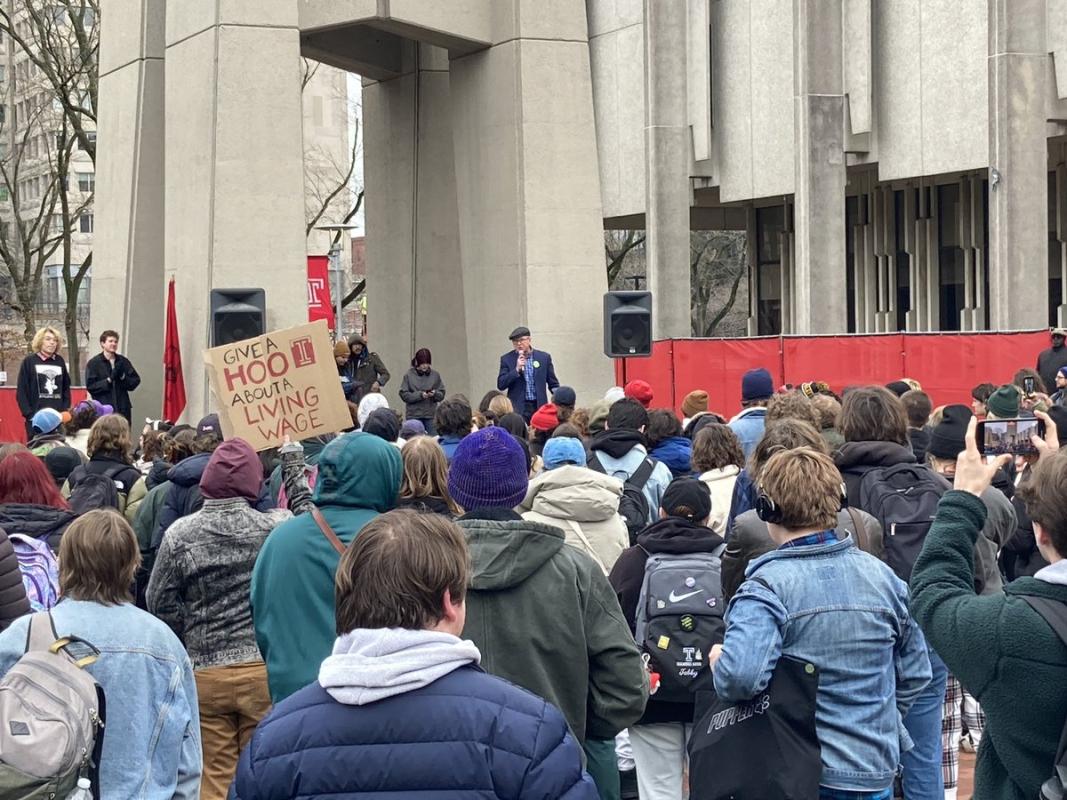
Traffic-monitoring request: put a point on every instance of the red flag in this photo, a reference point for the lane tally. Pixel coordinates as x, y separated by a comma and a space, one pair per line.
173, 379
319, 301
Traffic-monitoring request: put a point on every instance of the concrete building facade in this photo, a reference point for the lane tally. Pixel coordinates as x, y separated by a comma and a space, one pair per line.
896, 166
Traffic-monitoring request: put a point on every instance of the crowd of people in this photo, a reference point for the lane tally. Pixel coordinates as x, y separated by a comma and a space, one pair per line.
541, 595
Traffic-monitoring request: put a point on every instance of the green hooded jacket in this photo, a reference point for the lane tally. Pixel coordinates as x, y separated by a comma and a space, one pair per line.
1001, 649
544, 617
293, 580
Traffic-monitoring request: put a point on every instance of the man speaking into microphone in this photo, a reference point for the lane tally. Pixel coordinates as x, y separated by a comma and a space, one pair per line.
526, 375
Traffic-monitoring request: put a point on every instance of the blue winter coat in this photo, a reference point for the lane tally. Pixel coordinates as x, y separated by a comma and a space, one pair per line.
466, 735
677, 453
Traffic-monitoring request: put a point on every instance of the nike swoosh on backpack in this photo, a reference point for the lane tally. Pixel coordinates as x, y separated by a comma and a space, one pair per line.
677, 598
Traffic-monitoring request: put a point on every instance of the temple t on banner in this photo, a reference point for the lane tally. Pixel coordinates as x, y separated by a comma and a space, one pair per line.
283, 383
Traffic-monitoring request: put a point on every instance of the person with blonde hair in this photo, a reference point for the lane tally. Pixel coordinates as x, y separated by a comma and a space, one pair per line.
424, 486
152, 740
500, 405
853, 623
43, 380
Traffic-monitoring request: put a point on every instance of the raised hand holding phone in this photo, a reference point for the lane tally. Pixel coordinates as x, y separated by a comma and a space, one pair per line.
973, 474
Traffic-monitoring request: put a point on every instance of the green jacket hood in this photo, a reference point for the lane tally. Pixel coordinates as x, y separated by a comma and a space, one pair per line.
359, 470
504, 554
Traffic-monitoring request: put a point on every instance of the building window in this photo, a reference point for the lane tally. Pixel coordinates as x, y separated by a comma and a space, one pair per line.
770, 222
852, 219
902, 261
85, 223
1055, 257
950, 255
86, 181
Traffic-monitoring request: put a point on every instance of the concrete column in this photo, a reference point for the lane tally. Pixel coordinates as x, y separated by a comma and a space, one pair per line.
127, 271
819, 114
1061, 237
415, 277
667, 159
1018, 197
528, 192
234, 189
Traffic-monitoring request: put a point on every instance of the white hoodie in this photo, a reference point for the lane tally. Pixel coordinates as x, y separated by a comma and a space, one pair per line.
368, 665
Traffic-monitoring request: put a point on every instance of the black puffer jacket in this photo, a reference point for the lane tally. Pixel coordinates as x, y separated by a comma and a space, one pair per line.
40, 522
13, 602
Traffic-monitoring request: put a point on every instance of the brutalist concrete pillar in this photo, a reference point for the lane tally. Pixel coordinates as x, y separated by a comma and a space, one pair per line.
528, 192
1018, 158
820, 300
667, 159
127, 267
414, 272
234, 193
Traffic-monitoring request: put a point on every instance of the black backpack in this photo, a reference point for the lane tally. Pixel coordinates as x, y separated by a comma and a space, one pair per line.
1055, 614
93, 490
903, 498
633, 505
679, 617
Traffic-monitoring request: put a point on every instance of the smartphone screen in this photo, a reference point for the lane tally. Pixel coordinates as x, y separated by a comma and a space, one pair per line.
1028, 385
997, 437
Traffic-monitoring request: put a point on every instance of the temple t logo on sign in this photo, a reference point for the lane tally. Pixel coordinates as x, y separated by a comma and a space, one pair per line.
283, 383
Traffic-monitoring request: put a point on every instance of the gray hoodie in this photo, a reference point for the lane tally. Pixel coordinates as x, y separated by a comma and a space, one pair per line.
368, 665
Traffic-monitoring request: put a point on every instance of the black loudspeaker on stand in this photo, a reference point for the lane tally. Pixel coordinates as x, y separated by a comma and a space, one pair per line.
628, 324
237, 314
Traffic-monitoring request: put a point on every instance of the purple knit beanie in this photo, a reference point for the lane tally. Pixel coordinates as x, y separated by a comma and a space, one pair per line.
488, 470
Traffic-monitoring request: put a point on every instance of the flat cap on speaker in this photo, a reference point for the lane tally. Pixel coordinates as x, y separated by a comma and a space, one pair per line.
519, 332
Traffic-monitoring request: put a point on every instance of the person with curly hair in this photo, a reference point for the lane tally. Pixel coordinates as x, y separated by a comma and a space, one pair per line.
718, 460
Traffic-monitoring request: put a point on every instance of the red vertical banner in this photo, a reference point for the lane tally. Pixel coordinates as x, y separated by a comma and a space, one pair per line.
173, 377
320, 305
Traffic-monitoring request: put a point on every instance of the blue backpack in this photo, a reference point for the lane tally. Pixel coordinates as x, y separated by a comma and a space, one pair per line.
40, 571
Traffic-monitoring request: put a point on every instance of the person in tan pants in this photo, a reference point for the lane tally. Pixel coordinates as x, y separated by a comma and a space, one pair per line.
200, 586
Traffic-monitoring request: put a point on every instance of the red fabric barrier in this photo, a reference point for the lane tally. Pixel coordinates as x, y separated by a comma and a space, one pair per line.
947, 365
658, 370
950, 365
12, 425
717, 365
844, 360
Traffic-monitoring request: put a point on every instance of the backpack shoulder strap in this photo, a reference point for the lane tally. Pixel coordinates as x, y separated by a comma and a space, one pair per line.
642, 474
718, 551
593, 462
1052, 611
327, 531
860, 528
41, 633
574, 526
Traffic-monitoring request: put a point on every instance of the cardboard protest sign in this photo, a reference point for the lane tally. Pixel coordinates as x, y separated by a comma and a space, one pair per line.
283, 383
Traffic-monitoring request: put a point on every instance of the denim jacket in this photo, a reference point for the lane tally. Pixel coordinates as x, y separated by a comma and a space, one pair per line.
152, 734
847, 613
749, 426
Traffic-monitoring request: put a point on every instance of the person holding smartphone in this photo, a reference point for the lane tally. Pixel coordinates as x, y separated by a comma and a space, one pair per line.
422, 389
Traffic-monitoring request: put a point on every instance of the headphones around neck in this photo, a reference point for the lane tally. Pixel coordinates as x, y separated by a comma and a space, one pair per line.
768, 511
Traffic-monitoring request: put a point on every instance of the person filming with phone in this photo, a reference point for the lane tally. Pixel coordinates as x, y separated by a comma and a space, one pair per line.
1003, 648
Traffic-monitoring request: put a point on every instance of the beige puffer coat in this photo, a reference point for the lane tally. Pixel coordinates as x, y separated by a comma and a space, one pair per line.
721, 484
583, 503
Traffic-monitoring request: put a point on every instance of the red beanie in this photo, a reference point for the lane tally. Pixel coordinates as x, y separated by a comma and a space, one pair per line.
639, 391
545, 418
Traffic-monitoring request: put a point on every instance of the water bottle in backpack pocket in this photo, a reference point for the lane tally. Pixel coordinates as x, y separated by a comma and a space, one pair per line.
40, 571
903, 498
51, 716
679, 617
